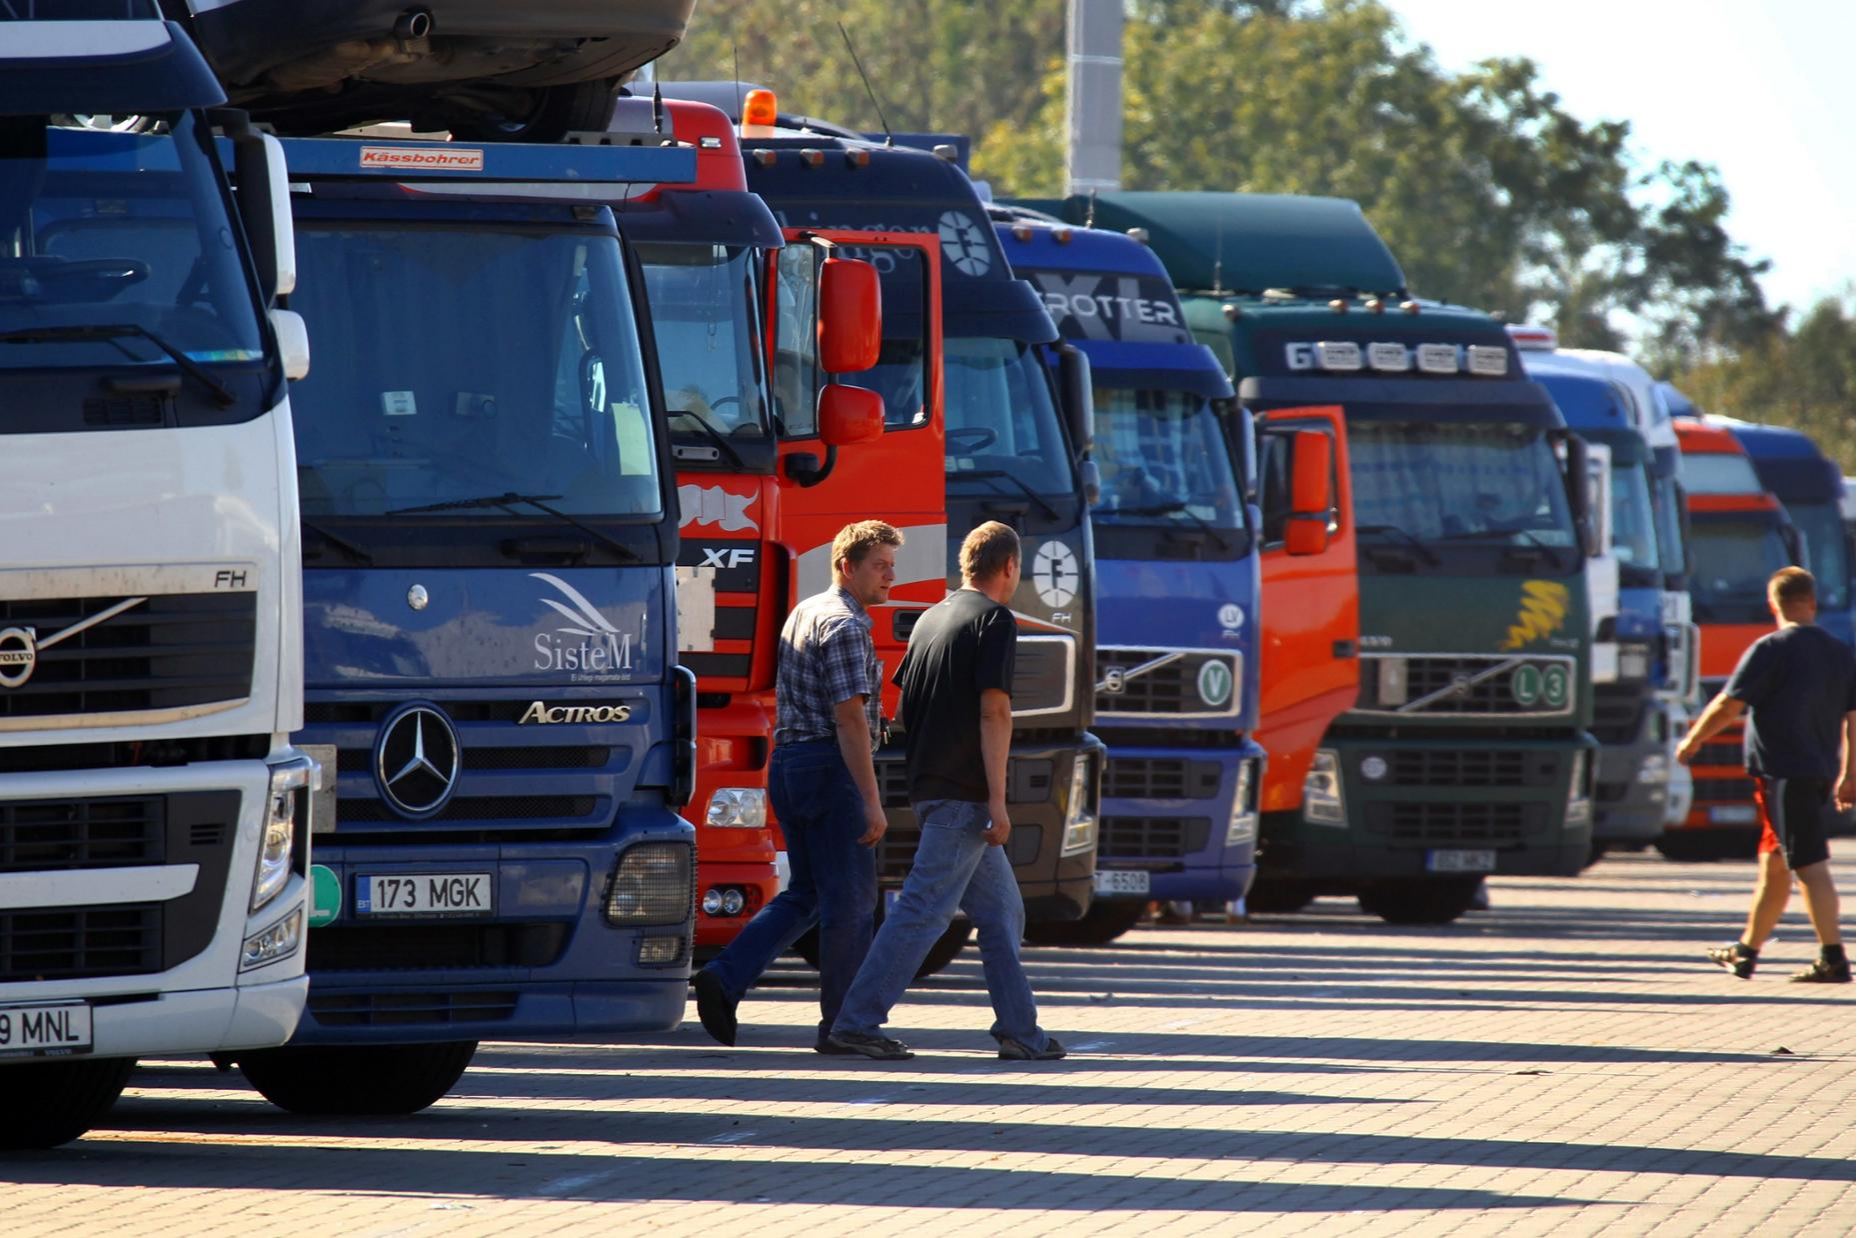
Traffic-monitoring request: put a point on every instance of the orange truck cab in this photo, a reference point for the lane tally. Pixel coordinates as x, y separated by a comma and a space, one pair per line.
1740, 536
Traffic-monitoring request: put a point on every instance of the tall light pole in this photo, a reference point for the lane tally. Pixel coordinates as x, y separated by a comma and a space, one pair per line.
1093, 96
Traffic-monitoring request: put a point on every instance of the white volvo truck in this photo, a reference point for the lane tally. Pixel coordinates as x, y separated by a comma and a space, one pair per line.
154, 824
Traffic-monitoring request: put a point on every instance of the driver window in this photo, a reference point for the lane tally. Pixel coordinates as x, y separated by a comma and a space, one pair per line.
796, 340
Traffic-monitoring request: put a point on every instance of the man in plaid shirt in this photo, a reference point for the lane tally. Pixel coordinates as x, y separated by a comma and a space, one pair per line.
823, 785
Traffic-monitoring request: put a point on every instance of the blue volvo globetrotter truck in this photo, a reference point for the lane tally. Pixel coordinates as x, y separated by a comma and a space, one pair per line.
490, 524
1176, 690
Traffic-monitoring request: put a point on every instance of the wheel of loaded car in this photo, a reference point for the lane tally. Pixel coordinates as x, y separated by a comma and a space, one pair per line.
556, 110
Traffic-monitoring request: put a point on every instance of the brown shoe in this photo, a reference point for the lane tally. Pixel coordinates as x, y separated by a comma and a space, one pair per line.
1734, 958
1824, 971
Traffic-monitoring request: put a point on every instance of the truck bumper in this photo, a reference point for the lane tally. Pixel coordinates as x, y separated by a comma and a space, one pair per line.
1630, 795
543, 962
732, 750
1435, 795
1054, 886
1169, 810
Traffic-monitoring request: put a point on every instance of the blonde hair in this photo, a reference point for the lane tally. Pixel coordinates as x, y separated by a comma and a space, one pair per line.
856, 540
987, 550
1792, 585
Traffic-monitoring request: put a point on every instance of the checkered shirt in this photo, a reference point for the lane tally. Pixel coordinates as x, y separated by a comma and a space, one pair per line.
826, 656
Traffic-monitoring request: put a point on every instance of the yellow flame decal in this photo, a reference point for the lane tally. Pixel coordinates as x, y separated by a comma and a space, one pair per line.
1543, 612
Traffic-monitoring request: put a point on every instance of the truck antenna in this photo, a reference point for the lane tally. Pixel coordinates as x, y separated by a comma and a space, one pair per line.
735, 54
1089, 213
657, 108
1218, 259
889, 139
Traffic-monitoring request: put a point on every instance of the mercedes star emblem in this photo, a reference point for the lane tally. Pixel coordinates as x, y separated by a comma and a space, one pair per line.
416, 760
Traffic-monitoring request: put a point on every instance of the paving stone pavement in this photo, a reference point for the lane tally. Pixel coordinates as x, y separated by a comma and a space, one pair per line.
1564, 1063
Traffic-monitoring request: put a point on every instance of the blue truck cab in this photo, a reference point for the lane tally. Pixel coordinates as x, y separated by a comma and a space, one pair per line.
490, 524
1811, 488
1177, 578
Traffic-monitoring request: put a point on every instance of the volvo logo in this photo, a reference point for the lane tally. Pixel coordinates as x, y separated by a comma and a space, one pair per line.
19, 654
1115, 679
416, 760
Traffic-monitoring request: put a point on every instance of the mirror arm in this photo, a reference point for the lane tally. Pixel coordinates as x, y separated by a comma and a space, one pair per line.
802, 467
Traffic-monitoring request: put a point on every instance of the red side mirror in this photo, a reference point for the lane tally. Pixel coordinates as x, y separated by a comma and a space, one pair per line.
849, 415
850, 316
1311, 496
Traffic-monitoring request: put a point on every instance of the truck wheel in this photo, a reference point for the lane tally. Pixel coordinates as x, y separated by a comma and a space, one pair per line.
49, 1103
356, 1079
1278, 895
942, 953
1424, 900
1106, 920
1595, 853
554, 111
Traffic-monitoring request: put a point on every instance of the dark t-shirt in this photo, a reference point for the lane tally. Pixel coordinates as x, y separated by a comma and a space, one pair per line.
961, 646
1798, 683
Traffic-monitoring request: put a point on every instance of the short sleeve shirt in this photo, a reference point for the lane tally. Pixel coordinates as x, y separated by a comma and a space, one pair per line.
826, 656
962, 646
1798, 683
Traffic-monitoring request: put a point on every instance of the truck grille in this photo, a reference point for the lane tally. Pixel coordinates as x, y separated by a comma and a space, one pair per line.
1466, 686
1617, 709
1043, 675
1176, 683
1161, 778
1728, 790
413, 946
53, 835
168, 652
1719, 753
1153, 838
1497, 826
1473, 767
393, 1009
72, 943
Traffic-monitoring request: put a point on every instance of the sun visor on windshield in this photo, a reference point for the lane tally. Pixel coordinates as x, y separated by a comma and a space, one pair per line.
1126, 367
1411, 399
701, 217
999, 309
101, 68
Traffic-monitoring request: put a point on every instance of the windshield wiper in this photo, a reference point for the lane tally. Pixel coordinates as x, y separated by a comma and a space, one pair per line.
1483, 535
355, 552
1176, 509
1002, 475
508, 501
712, 434
1424, 551
112, 332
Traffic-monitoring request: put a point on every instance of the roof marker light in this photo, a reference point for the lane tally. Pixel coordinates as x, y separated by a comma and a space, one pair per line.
765, 158
1139, 235
812, 157
1021, 232
947, 152
858, 158
1061, 236
1232, 311
759, 107
1338, 305
1411, 307
1375, 305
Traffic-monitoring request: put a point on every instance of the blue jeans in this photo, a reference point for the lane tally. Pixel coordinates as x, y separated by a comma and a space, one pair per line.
833, 877
955, 867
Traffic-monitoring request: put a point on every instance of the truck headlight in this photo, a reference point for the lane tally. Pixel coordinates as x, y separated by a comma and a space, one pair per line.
285, 799
1243, 826
1321, 790
1654, 771
1634, 661
1080, 817
737, 808
1579, 803
277, 942
651, 885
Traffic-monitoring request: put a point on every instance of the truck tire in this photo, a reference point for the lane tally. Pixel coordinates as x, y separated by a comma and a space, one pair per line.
53, 1102
952, 941
1420, 900
1278, 895
1106, 920
356, 1079
556, 110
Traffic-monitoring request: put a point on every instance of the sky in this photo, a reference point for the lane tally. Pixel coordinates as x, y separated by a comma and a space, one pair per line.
1766, 91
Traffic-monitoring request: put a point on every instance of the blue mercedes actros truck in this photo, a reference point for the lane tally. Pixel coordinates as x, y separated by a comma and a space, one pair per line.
1177, 580
490, 521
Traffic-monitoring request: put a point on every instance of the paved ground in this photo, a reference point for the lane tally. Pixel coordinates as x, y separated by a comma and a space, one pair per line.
1563, 1063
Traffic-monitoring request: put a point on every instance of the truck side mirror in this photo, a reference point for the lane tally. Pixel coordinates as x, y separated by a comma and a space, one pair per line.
1579, 492
1075, 392
1092, 478
264, 203
293, 344
850, 316
849, 415
1312, 499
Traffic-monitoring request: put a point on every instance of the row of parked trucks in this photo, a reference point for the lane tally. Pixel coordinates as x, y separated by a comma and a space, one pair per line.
349, 711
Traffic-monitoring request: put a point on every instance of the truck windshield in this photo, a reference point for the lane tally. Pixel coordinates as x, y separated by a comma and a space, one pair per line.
1492, 484
1719, 472
702, 312
1634, 527
113, 230
1735, 555
1001, 417
1825, 553
455, 363
1164, 460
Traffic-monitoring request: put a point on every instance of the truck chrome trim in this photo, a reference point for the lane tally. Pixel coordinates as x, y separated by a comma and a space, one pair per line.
1158, 657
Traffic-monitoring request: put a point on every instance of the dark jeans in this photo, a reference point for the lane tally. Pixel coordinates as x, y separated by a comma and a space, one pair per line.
833, 882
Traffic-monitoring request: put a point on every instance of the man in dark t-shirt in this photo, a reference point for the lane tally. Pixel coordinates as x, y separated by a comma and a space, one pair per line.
1798, 685
956, 716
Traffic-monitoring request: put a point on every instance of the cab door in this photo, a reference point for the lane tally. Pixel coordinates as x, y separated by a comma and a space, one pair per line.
896, 476
1310, 663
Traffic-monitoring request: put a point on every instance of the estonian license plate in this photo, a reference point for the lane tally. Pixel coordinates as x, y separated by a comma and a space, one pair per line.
1460, 861
424, 894
39, 1031
1122, 881
1732, 814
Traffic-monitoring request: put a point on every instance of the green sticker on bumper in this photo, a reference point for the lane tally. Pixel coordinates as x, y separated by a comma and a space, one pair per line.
325, 895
